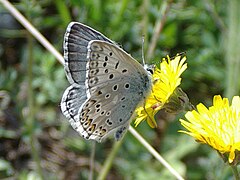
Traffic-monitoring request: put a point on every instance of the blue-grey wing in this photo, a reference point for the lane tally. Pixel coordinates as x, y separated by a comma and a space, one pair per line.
76, 40
73, 97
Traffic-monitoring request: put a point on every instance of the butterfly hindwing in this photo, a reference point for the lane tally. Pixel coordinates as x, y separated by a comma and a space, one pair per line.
73, 97
108, 64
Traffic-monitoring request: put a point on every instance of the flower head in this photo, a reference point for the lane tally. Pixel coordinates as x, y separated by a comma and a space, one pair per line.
165, 81
218, 126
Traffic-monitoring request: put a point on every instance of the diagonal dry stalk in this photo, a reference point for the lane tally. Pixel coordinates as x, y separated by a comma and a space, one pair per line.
59, 57
158, 27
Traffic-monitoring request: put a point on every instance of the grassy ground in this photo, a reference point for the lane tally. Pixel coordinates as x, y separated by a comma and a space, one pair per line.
36, 141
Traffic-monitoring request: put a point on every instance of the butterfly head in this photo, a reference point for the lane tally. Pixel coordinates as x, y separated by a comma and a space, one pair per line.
149, 68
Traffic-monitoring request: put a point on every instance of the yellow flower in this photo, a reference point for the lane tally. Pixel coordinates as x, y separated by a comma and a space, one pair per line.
218, 126
165, 81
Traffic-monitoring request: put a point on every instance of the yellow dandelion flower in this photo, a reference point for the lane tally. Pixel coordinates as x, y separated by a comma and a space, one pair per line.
218, 126
165, 81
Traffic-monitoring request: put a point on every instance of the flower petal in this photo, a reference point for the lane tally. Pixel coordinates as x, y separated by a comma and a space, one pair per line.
165, 81
218, 126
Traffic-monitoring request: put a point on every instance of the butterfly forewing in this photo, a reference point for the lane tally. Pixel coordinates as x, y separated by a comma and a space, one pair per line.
76, 40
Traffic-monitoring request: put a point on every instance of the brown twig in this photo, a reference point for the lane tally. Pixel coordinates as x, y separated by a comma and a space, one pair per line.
158, 27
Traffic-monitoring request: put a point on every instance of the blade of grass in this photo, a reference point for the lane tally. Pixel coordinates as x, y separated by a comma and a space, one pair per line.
30, 117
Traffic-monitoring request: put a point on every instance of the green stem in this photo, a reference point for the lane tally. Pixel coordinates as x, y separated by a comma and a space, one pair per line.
235, 172
92, 158
108, 163
232, 49
30, 119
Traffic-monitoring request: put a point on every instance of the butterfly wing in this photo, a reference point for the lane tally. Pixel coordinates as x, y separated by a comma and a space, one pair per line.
107, 84
73, 97
116, 84
76, 40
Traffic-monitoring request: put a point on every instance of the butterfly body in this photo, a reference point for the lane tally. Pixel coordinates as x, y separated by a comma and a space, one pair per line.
107, 84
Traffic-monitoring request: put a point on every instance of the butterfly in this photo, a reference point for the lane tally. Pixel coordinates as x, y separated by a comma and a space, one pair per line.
107, 84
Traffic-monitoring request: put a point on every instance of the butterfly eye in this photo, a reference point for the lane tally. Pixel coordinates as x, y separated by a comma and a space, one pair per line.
150, 68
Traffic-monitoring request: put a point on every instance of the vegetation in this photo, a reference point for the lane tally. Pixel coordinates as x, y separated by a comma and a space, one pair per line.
36, 141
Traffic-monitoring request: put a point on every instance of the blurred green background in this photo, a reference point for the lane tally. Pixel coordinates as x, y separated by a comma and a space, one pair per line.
37, 141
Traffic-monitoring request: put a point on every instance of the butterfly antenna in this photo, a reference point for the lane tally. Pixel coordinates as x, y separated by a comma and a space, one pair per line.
143, 51
178, 54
